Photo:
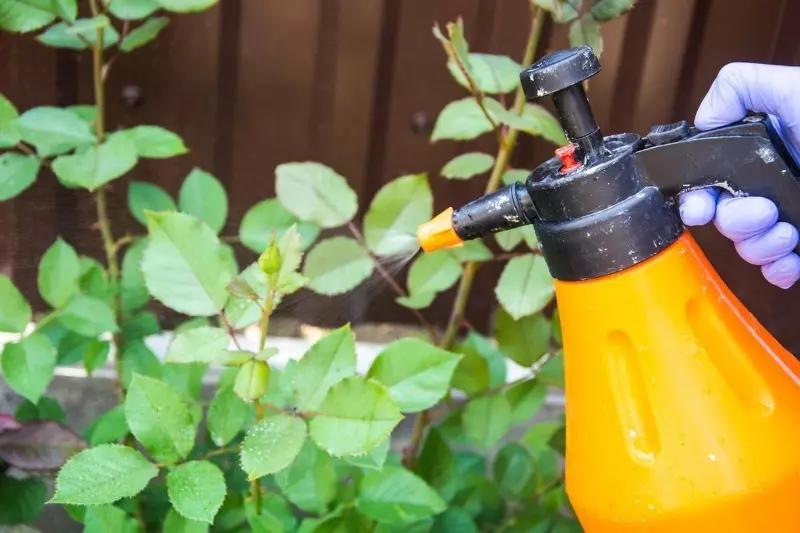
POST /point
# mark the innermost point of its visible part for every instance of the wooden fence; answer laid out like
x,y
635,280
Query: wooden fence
x,y
357,84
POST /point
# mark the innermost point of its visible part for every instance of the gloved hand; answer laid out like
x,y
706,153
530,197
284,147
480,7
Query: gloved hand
x,y
751,222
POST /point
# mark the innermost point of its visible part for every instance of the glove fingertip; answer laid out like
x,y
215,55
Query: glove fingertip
x,y
739,218
697,208
784,272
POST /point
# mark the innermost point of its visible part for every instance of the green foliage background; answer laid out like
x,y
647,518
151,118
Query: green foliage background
x,y
305,448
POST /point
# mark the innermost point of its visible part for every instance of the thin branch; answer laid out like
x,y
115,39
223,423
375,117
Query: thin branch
x,y
231,333
391,281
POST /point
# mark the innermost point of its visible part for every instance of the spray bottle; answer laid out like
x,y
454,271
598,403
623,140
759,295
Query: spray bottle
x,y
682,410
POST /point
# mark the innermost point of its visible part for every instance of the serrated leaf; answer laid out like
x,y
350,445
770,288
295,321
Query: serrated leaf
x,y
88,316
93,279
272,444
487,419
204,197
356,415
252,380
186,6
536,120
586,31
374,460
184,266
270,216
28,365
80,35
9,130
23,499
525,286
159,418
66,9
133,9
417,373
139,37
315,193
492,73
139,326
109,427
337,265
227,415
133,291
185,379
525,340
433,272
102,518
396,496
17,173
327,362
87,113
203,344
472,374
396,211
24,17
561,10
603,10
419,300
465,166
15,312
175,523
103,475
93,168
196,490
526,400
310,481
138,359
461,120
59,271
39,447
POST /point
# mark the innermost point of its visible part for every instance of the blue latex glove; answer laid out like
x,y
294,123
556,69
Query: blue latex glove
x,y
751,222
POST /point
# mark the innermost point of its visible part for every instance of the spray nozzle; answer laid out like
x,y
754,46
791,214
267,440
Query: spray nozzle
x,y
504,209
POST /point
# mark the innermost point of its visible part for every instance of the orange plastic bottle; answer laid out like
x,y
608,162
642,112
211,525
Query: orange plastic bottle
x,y
683,412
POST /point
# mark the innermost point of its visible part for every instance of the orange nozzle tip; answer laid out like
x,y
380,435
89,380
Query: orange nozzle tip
x,y
438,232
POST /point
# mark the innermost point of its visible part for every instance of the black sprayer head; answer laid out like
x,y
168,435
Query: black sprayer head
x,y
604,204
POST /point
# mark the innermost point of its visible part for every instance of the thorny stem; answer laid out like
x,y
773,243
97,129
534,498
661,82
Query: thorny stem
x,y
231,333
508,141
391,281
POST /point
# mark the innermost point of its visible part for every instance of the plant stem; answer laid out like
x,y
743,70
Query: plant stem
x,y
391,281
255,485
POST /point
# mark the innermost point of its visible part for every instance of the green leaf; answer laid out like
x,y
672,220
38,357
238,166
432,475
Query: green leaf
x,y
526,400
537,438
23,499
204,197
513,469
59,270
417,373
337,265
603,10
93,168
419,300
133,9
399,207
203,344
398,497
455,519
270,216
15,312
139,37
102,518
437,466
159,418
133,291
185,379
552,372
175,523
472,374
28,365
327,362
17,173
276,515
488,349
467,165
94,280
510,239
81,35
461,120
154,142
272,444
515,175
586,30
473,250
252,380
138,359
525,286
88,316
110,427
310,482
184,266
95,356
9,130
487,419
144,196
561,10
525,340
196,490
66,9
23,17
536,120
227,415
315,193
492,74
355,417
433,272
186,6
141,325
373,460
87,113
45,409
102,475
